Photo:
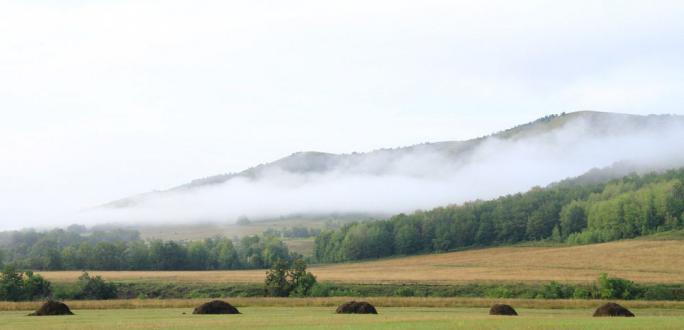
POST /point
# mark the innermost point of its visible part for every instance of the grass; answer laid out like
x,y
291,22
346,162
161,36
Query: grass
x,y
643,261
672,235
405,302
324,318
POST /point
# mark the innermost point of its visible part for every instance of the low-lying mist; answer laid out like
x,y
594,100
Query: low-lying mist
x,y
399,180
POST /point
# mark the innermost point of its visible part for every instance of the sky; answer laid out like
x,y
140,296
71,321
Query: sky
x,y
104,99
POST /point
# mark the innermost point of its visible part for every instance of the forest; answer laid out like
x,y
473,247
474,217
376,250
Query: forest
x,y
575,211
120,249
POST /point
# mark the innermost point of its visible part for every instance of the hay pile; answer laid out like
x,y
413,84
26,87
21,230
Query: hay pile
x,y
216,307
356,307
502,309
52,308
613,309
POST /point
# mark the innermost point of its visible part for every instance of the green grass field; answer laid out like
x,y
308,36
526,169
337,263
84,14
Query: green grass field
x,y
324,318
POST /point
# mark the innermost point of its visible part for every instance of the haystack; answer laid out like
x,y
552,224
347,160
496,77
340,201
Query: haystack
x,y
613,309
356,307
502,309
52,308
216,307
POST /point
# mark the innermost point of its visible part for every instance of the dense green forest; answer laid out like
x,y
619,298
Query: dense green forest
x,y
576,211
119,249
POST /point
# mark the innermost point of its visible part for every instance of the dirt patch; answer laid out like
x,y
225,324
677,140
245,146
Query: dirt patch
x,y
356,307
502,309
613,309
216,307
52,308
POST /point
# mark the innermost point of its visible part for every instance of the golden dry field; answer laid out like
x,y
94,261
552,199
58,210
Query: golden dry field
x,y
645,261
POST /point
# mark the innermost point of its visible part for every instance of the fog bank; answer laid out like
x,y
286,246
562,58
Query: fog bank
x,y
424,177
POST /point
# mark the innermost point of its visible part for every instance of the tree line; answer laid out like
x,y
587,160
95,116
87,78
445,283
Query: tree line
x,y
293,232
574,211
119,249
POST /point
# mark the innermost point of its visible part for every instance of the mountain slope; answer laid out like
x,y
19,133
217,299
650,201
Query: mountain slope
x,y
599,123
546,150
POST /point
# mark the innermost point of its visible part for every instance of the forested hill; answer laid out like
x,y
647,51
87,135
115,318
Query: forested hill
x,y
574,211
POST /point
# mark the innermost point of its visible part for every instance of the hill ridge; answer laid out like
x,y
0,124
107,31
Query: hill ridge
x,y
312,162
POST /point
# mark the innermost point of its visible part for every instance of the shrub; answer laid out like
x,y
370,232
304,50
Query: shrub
x,y
405,291
36,287
585,237
581,293
65,291
276,281
321,290
283,280
499,292
301,280
555,290
345,293
659,292
18,286
617,288
94,287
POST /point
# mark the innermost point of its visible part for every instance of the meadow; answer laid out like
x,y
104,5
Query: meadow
x,y
640,260
325,318
332,302
657,260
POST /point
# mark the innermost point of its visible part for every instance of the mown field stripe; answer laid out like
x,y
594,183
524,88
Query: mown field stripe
x,y
335,301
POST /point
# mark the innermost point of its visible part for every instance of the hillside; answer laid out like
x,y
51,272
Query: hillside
x,y
657,259
447,157
574,212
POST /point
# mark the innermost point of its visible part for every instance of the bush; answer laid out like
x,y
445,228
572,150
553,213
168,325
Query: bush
x,y
659,292
581,293
321,290
276,281
342,292
36,287
405,291
283,280
617,288
94,287
585,237
65,291
499,292
18,286
301,280
555,290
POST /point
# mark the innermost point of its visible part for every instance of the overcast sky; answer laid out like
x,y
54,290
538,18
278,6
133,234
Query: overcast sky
x,y
103,99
